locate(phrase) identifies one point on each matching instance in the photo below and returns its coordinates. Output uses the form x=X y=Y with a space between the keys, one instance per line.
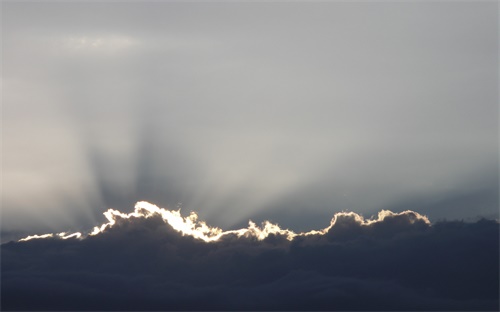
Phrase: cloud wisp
x=156 y=259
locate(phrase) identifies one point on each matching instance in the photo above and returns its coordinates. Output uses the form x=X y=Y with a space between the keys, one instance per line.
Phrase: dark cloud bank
x=141 y=262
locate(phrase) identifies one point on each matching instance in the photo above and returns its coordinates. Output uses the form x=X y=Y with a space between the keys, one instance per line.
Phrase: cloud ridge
x=191 y=226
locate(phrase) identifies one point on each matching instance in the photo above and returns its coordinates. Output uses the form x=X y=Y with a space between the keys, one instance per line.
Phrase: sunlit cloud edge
x=191 y=226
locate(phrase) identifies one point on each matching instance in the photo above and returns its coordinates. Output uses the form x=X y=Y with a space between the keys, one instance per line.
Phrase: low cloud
x=158 y=259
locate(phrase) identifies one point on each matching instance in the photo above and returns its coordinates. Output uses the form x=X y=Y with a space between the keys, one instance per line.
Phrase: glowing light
x=36 y=237
x=191 y=226
x=64 y=235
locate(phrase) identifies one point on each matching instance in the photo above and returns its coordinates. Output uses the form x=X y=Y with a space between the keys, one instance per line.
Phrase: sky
x=230 y=155
x=287 y=111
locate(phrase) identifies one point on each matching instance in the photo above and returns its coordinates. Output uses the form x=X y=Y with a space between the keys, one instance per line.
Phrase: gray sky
x=288 y=111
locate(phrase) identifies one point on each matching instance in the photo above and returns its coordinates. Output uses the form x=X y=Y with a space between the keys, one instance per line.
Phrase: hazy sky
x=271 y=110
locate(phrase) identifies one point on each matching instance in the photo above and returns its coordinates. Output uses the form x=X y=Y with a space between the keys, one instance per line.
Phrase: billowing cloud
x=157 y=259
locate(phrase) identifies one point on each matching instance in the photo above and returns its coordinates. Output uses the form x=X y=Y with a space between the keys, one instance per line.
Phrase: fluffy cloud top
x=156 y=259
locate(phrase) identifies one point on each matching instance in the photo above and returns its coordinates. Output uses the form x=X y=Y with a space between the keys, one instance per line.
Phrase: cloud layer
x=156 y=259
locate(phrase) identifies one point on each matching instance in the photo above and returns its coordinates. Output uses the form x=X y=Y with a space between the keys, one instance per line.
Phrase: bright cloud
x=191 y=226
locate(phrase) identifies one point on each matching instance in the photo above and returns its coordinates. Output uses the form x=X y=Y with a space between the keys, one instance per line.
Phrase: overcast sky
x=271 y=110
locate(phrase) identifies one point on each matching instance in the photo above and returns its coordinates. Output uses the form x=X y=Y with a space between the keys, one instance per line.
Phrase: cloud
x=200 y=230
x=157 y=259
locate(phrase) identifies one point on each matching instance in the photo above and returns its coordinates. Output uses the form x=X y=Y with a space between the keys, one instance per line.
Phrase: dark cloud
x=151 y=260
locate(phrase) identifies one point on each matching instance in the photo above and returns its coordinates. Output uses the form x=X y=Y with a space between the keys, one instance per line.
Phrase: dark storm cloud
x=142 y=262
